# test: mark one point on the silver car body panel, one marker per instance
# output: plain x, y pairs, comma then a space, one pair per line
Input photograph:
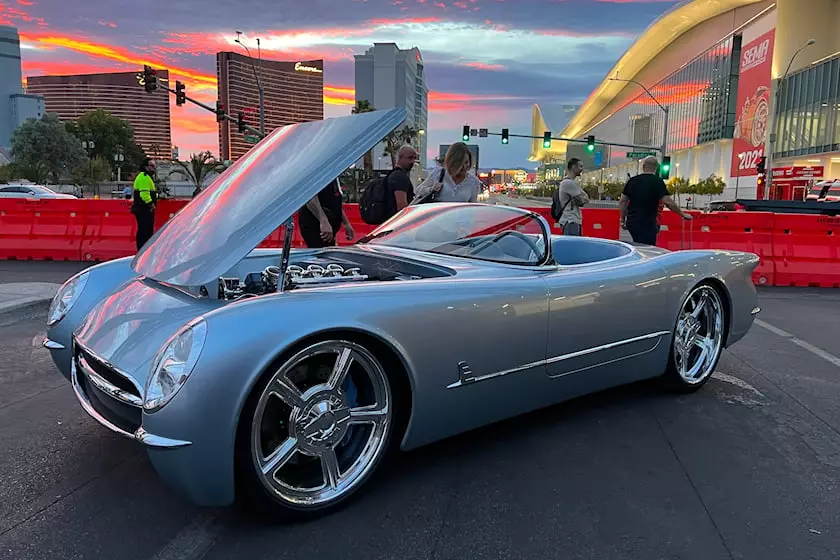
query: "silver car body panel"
256, 195
477, 341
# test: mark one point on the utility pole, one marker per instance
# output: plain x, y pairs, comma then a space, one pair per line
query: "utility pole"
256, 77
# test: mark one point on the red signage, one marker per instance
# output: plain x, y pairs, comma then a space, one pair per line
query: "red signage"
810, 172
753, 105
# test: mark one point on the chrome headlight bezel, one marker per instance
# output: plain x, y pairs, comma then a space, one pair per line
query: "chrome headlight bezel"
66, 297
173, 364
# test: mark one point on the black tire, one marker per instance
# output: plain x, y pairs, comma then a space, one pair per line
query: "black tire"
253, 493
714, 329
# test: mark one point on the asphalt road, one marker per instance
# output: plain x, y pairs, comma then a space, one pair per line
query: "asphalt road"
748, 468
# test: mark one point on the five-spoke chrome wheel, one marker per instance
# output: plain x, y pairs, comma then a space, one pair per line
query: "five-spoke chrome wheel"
321, 424
698, 338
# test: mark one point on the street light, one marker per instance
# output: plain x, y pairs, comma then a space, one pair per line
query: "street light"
769, 165
119, 158
664, 109
256, 77
88, 146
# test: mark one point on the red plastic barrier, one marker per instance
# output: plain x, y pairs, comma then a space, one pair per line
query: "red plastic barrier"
751, 232
110, 231
807, 250
597, 222
166, 209
41, 229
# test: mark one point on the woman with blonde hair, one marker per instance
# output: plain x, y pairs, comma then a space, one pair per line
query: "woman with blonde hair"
453, 182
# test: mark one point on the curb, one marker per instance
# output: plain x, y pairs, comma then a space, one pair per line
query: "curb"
23, 304
16, 296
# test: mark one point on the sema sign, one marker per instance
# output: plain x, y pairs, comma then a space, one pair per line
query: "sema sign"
753, 105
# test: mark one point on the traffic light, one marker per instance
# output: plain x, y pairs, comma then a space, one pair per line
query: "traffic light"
180, 94
760, 184
761, 166
547, 139
505, 136
240, 121
665, 168
220, 112
466, 135
590, 143
149, 79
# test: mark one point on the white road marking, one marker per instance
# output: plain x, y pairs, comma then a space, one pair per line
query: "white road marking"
195, 540
737, 382
831, 358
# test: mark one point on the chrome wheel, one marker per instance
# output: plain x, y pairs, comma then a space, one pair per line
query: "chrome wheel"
698, 340
321, 424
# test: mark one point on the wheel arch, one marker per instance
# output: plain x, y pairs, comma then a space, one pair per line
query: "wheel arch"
720, 287
394, 362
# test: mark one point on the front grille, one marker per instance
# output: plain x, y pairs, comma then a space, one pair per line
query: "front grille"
124, 415
107, 373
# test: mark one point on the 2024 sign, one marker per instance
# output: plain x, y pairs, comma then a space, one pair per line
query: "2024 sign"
749, 160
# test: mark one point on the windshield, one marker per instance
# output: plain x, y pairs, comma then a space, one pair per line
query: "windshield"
477, 231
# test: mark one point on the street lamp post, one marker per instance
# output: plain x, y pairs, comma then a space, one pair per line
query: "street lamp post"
664, 110
119, 158
257, 78
769, 165
88, 146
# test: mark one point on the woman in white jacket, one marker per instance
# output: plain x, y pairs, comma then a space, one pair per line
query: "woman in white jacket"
457, 184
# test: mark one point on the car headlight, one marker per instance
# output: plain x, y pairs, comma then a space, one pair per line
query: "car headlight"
67, 295
173, 364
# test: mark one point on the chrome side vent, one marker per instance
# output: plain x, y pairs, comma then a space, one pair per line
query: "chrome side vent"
465, 373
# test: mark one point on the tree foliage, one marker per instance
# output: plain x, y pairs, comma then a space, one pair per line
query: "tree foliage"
364, 106
91, 172
44, 150
198, 168
111, 135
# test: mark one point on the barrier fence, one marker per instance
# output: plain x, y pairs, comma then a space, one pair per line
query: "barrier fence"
795, 249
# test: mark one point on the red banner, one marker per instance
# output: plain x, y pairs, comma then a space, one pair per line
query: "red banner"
753, 105
810, 172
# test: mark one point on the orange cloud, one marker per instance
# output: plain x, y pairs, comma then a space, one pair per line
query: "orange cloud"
483, 66
198, 124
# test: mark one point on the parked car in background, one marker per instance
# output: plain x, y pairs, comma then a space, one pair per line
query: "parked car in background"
30, 191
825, 191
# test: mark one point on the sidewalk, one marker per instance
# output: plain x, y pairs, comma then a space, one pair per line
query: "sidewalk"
23, 294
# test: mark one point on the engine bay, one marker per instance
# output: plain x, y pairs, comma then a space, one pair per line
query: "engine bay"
321, 269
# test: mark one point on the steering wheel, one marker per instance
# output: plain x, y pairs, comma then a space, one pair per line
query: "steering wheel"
532, 245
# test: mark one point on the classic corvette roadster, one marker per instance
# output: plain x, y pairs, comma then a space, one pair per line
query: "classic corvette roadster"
283, 377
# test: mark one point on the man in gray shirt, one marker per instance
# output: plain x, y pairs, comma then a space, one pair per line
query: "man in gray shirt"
568, 199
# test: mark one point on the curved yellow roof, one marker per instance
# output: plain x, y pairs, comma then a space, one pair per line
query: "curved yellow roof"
655, 39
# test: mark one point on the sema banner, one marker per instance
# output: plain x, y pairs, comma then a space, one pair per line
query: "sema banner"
752, 116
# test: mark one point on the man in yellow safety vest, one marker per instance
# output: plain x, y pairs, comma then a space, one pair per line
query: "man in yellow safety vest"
145, 198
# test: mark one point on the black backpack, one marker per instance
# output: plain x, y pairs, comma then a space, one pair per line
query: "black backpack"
556, 210
373, 202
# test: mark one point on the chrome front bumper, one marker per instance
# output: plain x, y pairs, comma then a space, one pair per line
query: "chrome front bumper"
91, 380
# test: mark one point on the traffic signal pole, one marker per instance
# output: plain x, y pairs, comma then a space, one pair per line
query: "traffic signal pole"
182, 94
579, 140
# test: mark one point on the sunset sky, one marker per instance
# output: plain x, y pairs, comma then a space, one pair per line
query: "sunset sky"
487, 61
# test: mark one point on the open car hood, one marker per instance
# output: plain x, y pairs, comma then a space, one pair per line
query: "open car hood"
256, 195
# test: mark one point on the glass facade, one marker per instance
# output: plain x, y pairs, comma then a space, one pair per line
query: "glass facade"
700, 97
808, 111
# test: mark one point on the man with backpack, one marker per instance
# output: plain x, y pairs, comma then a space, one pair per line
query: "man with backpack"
568, 199
386, 196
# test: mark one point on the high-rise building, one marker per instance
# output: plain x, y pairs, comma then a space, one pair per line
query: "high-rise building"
388, 77
15, 105
293, 91
119, 93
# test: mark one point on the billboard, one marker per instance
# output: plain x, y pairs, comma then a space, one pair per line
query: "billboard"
752, 116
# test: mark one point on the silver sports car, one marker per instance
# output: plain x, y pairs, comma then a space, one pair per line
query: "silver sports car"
283, 377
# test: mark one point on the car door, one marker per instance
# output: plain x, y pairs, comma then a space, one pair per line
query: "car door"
607, 323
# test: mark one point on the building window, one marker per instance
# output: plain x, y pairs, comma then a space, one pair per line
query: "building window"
807, 115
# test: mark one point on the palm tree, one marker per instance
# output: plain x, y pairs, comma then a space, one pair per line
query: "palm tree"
198, 168
364, 106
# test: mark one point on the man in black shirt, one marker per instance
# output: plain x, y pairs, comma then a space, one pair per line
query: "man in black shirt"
322, 217
639, 203
399, 192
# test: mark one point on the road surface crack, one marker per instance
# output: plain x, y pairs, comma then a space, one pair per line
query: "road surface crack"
693, 486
